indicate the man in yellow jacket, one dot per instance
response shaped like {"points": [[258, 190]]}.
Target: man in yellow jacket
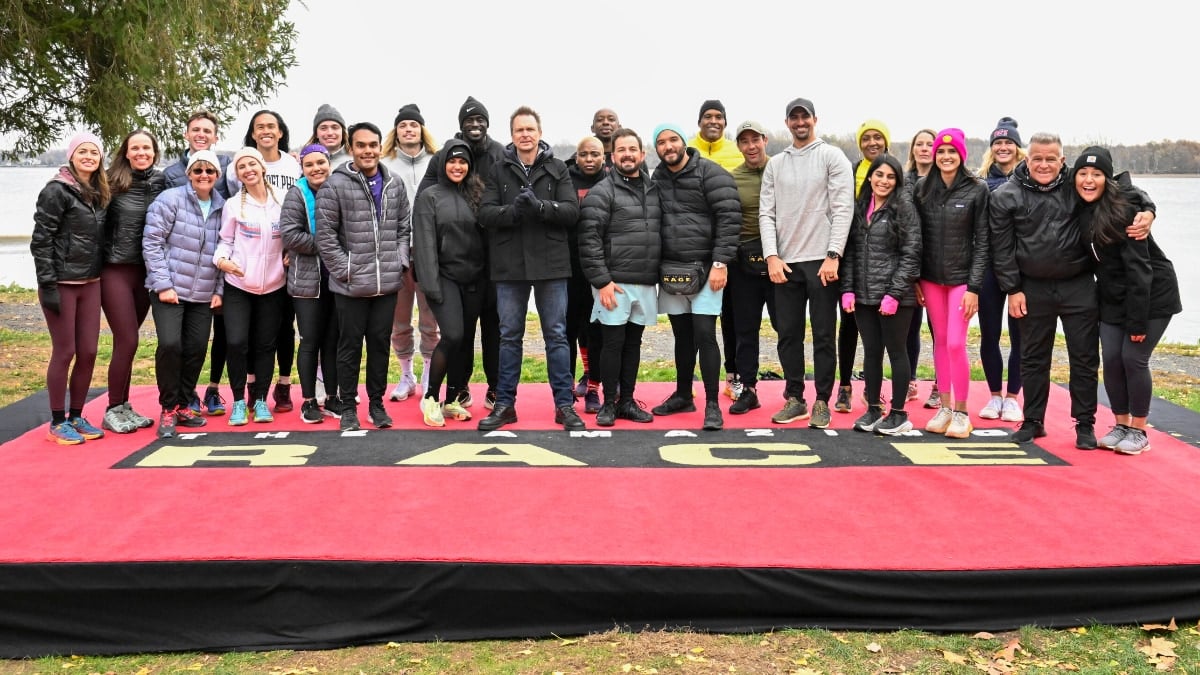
{"points": [[711, 140]]}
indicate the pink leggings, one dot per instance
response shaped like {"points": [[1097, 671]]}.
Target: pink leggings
{"points": [[74, 336], [950, 362]]}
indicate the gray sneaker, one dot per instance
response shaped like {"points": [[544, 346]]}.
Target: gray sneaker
{"points": [[1134, 443], [1114, 436], [117, 421], [141, 421], [793, 409], [820, 415]]}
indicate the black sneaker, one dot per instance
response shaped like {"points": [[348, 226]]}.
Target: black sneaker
{"points": [[283, 397], [675, 403], [746, 402], [568, 418], [166, 424], [310, 412], [501, 414], [379, 416], [1085, 437], [713, 421], [489, 399], [591, 401], [1030, 429], [333, 407], [630, 410], [607, 415], [869, 419], [894, 424], [349, 420]]}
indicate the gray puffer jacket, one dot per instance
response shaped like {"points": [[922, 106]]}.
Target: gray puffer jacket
{"points": [[179, 242], [300, 242], [366, 255]]}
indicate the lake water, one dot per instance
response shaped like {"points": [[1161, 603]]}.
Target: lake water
{"points": [[1177, 197]]}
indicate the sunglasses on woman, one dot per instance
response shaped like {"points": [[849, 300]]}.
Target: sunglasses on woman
{"points": [[201, 172]]}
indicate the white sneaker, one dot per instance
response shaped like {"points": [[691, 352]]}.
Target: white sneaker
{"points": [[991, 411], [940, 421], [960, 425], [1011, 412], [407, 386]]}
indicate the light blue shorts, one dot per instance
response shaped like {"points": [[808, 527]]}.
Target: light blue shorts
{"points": [[707, 301], [638, 304]]}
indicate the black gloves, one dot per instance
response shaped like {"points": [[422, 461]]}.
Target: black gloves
{"points": [[526, 205], [48, 296]]}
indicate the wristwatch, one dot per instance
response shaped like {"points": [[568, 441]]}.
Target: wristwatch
{"points": [[718, 265], [833, 256]]}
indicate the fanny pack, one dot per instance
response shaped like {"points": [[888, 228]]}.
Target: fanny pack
{"points": [[682, 278], [750, 255]]}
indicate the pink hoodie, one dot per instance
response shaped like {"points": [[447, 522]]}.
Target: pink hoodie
{"points": [[251, 238]]}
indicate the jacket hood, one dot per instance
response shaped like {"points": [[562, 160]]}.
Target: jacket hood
{"points": [[545, 152], [65, 176], [442, 179]]}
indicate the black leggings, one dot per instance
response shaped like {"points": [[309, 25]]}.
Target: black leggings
{"points": [[1127, 379], [317, 320], [880, 333], [619, 359], [696, 333], [247, 313], [457, 315], [847, 347]]}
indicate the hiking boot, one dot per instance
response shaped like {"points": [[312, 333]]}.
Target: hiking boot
{"points": [[64, 434], [455, 411], [793, 409], [214, 405], [86, 429], [820, 415], [869, 419], [940, 421], [283, 398], [607, 415], [713, 421], [185, 417], [1011, 412], [895, 424], [116, 421], [141, 421], [630, 410], [1030, 429], [379, 416], [407, 386], [262, 411], [912, 391], [349, 419], [166, 424], [568, 418], [747, 401], [1135, 442], [489, 399], [581, 386], [310, 412], [843, 404], [992, 410], [501, 414], [432, 413], [463, 398], [591, 401], [935, 398], [237, 417], [1085, 436], [675, 403], [1114, 436], [733, 386], [960, 425]]}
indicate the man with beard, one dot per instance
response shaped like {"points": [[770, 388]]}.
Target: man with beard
{"points": [[527, 207], [805, 209], [619, 249], [701, 217], [473, 122]]}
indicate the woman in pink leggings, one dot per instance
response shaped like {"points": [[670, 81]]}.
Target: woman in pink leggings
{"points": [[952, 206]]}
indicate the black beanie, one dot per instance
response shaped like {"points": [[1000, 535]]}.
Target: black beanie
{"points": [[711, 104], [472, 107], [1097, 157], [1006, 128], [459, 150], [409, 111]]}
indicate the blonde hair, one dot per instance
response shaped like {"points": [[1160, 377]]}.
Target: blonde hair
{"points": [[263, 177], [391, 146], [989, 160]]}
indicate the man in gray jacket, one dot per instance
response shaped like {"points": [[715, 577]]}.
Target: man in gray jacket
{"points": [[363, 222]]}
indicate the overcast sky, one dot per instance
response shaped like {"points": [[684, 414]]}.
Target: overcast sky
{"points": [[1093, 72]]}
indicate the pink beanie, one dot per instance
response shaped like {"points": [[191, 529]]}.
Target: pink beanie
{"points": [[81, 138], [954, 137]]}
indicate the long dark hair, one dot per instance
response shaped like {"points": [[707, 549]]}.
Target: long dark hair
{"points": [[1109, 214], [120, 172], [284, 134], [865, 192]]}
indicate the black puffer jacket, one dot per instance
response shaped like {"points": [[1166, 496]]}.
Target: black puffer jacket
{"points": [[68, 233], [954, 230], [366, 256], [701, 211], [619, 232], [300, 243], [447, 239], [126, 217], [483, 155], [533, 249], [883, 255]]}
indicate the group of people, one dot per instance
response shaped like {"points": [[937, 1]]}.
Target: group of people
{"points": [[343, 238]]}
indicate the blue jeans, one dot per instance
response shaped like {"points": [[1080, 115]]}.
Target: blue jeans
{"points": [[512, 303]]}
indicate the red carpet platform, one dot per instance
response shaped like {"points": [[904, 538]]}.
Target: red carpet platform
{"points": [[286, 535]]}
